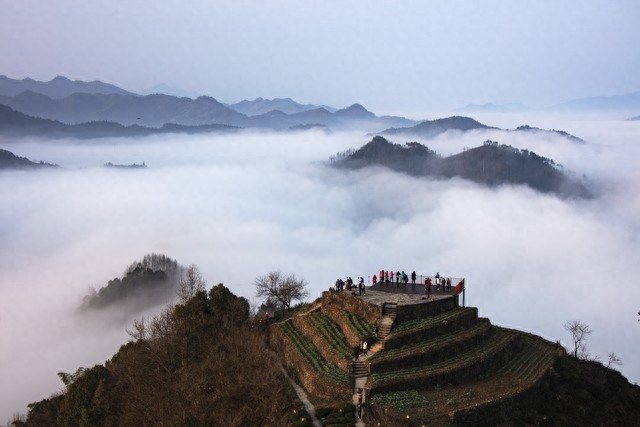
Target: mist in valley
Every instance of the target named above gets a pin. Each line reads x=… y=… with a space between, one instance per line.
x=241 y=205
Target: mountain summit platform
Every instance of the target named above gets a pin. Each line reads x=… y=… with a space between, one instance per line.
x=401 y=297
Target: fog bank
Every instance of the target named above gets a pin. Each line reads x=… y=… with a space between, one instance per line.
x=241 y=205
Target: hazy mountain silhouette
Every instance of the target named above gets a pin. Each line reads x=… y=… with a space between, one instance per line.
x=489 y=107
x=16 y=124
x=633 y=118
x=59 y=87
x=535 y=130
x=150 y=110
x=490 y=164
x=8 y=160
x=630 y=101
x=433 y=128
x=157 y=110
x=261 y=106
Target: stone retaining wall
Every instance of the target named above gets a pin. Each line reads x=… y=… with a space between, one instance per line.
x=432 y=308
x=296 y=365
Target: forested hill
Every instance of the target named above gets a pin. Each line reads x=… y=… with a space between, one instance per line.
x=148 y=282
x=490 y=164
x=8 y=160
x=198 y=363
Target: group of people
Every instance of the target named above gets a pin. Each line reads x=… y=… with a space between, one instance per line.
x=362 y=349
x=348 y=285
x=387 y=277
x=442 y=283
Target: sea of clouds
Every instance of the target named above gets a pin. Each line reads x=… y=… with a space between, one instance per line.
x=243 y=204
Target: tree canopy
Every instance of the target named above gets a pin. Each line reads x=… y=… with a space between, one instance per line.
x=281 y=289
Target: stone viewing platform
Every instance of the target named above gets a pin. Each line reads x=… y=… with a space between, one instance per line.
x=379 y=297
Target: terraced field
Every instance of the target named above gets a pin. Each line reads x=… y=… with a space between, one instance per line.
x=361 y=327
x=533 y=361
x=432 y=374
x=311 y=354
x=444 y=368
x=330 y=331
x=519 y=373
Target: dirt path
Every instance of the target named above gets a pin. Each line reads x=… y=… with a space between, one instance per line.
x=303 y=398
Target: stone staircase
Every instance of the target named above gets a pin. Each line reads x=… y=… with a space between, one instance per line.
x=359 y=369
x=389 y=314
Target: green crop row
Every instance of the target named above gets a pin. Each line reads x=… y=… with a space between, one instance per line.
x=400 y=399
x=425 y=322
x=311 y=354
x=332 y=334
x=431 y=344
x=498 y=341
x=534 y=358
x=361 y=327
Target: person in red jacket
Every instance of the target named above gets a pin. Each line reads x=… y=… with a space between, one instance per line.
x=427 y=283
x=374 y=280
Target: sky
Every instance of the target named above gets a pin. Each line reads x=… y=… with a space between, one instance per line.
x=405 y=57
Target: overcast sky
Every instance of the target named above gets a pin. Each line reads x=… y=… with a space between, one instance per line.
x=394 y=57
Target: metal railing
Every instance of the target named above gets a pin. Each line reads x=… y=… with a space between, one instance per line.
x=457 y=286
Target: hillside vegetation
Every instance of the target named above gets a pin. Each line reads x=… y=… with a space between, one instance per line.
x=203 y=362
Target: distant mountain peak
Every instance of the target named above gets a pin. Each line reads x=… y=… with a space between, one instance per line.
x=355 y=111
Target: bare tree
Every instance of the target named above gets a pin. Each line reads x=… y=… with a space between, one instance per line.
x=613 y=360
x=579 y=333
x=191 y=283
x=278 y=288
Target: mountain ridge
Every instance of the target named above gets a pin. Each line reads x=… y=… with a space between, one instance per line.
x=58 y=87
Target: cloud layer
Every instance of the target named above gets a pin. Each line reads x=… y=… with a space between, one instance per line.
x=241 y=205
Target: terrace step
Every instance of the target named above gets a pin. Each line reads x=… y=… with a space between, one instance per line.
x=390 y=309
x=433 y=350
x=481 y=360
x=461 y=402
x=389 y=314
x=430 y=327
